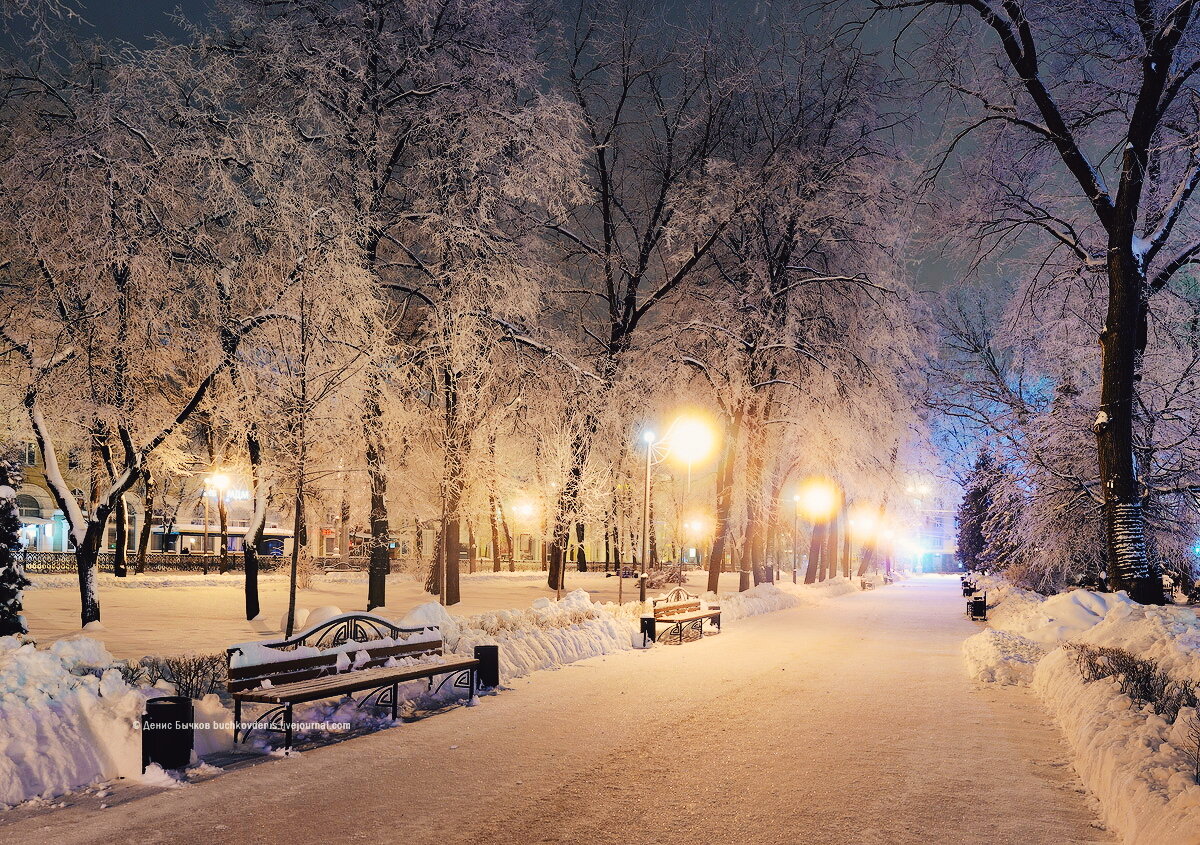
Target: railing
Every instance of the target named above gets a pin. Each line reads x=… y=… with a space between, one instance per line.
x=41 y=563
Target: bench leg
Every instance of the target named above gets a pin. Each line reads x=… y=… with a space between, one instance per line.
x=287 y=728
x=395 y=700
x=237 y=719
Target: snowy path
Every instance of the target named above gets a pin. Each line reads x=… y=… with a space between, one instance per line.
x=848 y=722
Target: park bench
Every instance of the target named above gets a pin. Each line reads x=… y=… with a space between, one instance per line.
x=968 y=587
x=864 y=584
x=888 y=579
x=682 y=614
x=351 y=653
x=977 y=608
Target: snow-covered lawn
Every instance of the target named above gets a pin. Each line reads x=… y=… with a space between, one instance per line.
x=68 y=717
x=177 y=614
x=1137 y=763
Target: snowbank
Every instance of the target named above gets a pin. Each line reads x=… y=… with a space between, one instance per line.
x=1130 y=758
x=546 y=635
x=62 y=727
x=1134 y=761
x=1001 y=657
x=68 y=719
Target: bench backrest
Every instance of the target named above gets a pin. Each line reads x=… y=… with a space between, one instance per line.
x=664 y=609
x=325 y=649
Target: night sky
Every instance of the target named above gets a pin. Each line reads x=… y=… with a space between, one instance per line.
x=135 y=20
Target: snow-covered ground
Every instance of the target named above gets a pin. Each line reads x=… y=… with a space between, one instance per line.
x=169 y=615
x=69 y=716
x=1140 y=766
x=837 y=721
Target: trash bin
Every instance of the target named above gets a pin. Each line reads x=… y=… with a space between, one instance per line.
x=489 y=665
x=167 y=732
x=649 y=630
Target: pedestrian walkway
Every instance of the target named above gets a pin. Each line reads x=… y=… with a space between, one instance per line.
x=848 y=722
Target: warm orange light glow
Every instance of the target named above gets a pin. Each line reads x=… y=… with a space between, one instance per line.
x=690 y=439
x=819 y=499
x=218 y=481
x=696 y=526
x=524 y=510
x=862 y=522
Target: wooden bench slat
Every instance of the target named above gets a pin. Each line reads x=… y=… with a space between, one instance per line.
x=691 y=617
x=353 y=681
x=288 y=671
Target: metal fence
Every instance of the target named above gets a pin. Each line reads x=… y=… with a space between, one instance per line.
x=41 y=563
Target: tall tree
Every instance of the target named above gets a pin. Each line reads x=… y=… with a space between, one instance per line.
x=1093 y=145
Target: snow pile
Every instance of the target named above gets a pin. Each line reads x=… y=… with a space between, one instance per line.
x=546 y=635
x=62 y=727
x=1139 y=766
x=1131 y=759
x=765 y=598
x=1000 y=657
x=69 y=719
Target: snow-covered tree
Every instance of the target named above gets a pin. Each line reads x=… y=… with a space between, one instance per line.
x=1085 y=143
x=974 y=510
x=12 y=575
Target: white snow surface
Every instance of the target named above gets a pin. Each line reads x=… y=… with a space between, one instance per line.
x=1001 y=657
x=60 y=730
x=67 y=719
x=1131 y=759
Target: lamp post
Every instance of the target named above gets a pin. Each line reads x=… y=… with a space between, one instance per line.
x=220 y=483
x=643 y=557
x=795 y=538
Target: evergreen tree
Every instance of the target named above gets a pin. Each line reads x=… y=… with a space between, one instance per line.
x=1002 y=541
x=12 y=575
x=974 y=510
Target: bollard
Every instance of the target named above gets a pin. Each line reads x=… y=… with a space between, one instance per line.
x=642 y=587
x=167 y=732
x=488 y=672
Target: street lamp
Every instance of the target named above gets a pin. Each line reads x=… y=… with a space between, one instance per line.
x=220 y=483
x=688 y=439
x=819 y=499
x=795 y=538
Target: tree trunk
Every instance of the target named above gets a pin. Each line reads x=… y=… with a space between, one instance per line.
x=830 y=556
x=252 y=542
x=1122 y=342
x=379 y=563
x=121 y=538
x=845 y=548
x=566 y=505
x=143 y=545
x=223 y=518
x=815 y=544
x=494 y=525
x=452 y=490
x=86 y=555
x=725 y=467
x=580 y=551
x=297 y=533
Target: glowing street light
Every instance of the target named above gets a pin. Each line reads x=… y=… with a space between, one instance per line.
x=819 y=499
x=689 y=438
